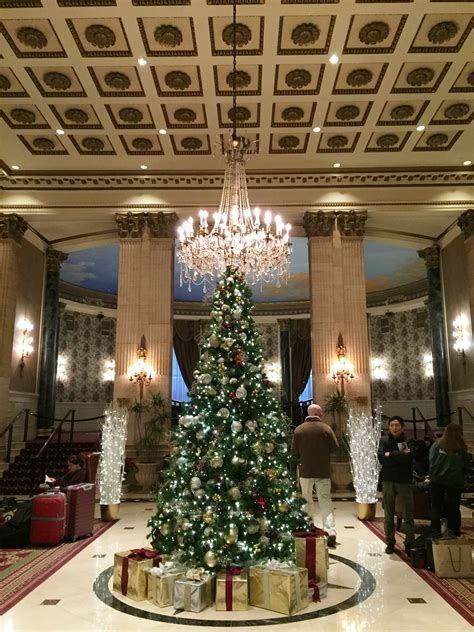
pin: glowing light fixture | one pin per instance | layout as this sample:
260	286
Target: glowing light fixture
342	371
379	372
420	128
61	369
25	346
460	335
334	59
142	61
141	373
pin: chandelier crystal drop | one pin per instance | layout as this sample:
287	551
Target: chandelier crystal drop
258	246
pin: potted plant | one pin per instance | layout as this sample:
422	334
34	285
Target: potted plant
152	418
337	406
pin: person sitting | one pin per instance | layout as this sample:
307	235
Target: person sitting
75	475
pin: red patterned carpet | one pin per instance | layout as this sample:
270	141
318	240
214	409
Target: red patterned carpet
459	593
22	570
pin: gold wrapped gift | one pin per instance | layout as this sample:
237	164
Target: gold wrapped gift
232	590
161	583
130	578
312	553
194	591
279	586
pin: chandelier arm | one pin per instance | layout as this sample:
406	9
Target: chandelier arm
234	68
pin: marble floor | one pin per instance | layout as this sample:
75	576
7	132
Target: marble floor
386	609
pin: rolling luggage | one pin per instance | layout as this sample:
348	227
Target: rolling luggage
48	519
80	510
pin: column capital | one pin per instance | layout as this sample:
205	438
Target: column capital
319	224
431	257
130	225
351	223
162	224
54	259
466	223
12	226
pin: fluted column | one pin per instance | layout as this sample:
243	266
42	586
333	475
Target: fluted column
145	300
338	300
438	337
12	229
49	340
466	224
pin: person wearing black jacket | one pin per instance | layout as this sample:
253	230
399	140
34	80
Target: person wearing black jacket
396	454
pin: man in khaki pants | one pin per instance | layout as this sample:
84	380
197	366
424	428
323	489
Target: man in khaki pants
313	441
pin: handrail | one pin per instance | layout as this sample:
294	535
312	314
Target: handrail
75	420
56	430
9	429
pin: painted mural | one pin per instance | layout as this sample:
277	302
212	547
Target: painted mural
386	266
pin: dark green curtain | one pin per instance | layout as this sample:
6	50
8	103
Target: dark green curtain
300	345
186	348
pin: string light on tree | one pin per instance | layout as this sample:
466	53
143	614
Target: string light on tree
112	456
363	433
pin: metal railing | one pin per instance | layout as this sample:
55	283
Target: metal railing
9	430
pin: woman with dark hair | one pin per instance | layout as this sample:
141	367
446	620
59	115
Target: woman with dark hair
449	462
75	475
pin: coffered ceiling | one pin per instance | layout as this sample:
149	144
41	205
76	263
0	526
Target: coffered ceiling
73	65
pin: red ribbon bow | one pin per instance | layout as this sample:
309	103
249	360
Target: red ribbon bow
314	585
137	555
230	573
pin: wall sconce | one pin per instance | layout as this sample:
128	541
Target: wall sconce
109	371
342	371
428	365
25	347
141	373
61	369
273	372
379	372
460	332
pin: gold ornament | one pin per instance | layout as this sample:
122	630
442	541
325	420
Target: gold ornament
210	558
268	447
208	517
234	493
256	447
186	525
283	507
235	460
165	528
253	526
217	498
232	534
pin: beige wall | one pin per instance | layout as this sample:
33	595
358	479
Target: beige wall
456	297
28	305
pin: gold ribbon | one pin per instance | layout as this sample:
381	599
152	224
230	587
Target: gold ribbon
187	596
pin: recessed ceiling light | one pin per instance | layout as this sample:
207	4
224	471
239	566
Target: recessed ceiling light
162	131
316	129
15	167
143	167
60	132
420	128
334	59
142	61
337	165
467	163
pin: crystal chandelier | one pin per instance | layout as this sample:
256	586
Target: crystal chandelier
239	238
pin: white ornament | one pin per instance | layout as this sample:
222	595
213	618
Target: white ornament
243	336
181	461
237	314
251	425
214	341
206	378
241	392
223	412
200	434
215	314
186	420
225	380
195	482
236	426
233	380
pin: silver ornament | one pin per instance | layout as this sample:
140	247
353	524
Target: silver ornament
237	314
234	493
200	434
251	425
186	420
216	462
241	392
236	426
205	378
199	493
195	482
214	341
243	335
223	413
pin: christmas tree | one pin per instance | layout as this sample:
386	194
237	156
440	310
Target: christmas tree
227	495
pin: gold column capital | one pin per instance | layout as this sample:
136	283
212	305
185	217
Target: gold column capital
54	259
12	226
351	223
130	225
162	225
466	223
431	257
319	224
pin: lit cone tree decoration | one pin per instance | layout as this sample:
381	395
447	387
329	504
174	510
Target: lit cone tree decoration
228	496
363	432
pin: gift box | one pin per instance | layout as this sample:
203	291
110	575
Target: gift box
312	553
160	584
130	568
232	589
278	586
194	591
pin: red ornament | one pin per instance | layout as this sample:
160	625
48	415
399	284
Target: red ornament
228	325
199	466
239	359
260	500
233	396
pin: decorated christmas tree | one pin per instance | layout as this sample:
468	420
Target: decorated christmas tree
228	495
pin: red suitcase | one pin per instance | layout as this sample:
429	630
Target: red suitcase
48	519
80	510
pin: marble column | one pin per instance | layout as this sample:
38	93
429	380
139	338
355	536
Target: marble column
438	336
466	224
284	328
145	301
338	300
12	229
49	340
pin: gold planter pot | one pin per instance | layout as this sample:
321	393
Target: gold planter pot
109	513
366	511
